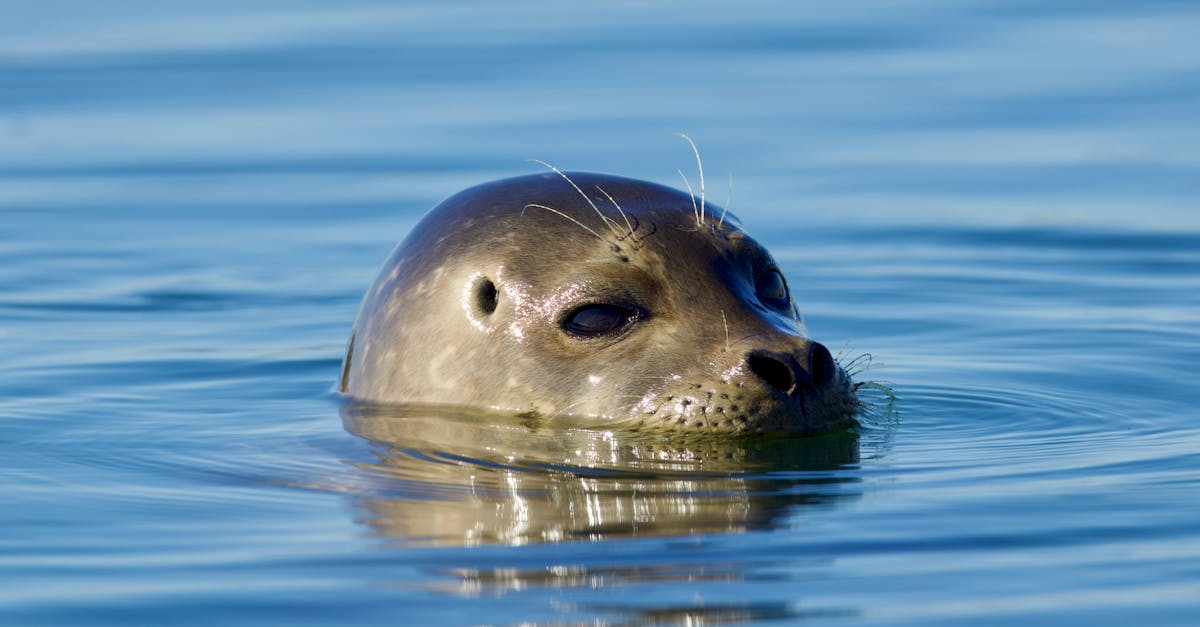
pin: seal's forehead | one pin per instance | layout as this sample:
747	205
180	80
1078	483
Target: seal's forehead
583	196
577	216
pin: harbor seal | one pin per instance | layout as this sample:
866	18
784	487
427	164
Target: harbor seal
595	301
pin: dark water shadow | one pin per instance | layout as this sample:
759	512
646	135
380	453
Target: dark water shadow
458	478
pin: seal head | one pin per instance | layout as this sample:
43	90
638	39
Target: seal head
596	300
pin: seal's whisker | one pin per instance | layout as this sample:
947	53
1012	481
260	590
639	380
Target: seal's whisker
725	322
607	220
841	354
695	208
620	211
700	167
749	338
556	211
660	378
628	410
853	362
859	364
728	201
878	405
565	410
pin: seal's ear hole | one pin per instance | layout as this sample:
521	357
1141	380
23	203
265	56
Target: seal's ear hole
486	296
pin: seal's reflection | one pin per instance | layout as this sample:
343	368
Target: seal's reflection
442	478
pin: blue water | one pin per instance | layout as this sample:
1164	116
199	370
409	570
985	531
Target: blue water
995	200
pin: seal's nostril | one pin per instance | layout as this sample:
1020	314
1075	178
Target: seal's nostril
775	372
820	365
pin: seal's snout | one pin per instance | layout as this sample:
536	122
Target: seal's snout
783	372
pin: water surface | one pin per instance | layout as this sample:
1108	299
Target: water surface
996	201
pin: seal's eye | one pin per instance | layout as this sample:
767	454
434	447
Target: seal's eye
596	320
771	289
